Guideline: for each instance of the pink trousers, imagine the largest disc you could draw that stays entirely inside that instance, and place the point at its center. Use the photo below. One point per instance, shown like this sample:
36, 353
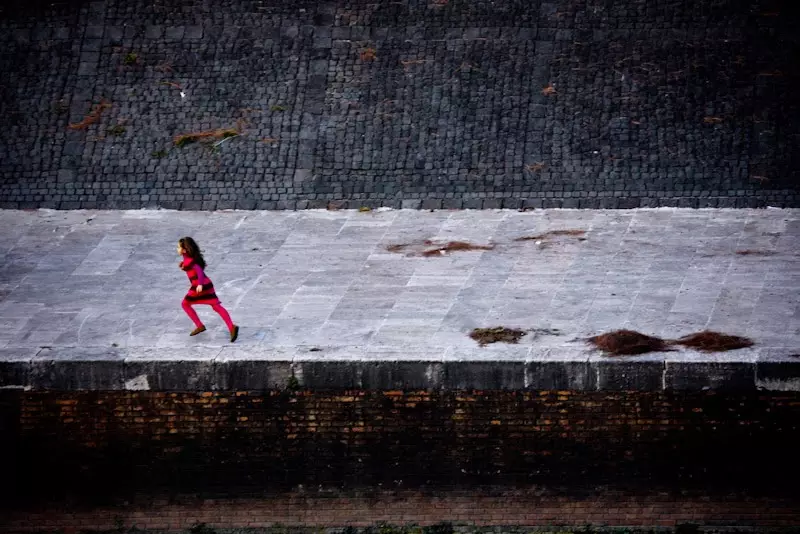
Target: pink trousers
217, 307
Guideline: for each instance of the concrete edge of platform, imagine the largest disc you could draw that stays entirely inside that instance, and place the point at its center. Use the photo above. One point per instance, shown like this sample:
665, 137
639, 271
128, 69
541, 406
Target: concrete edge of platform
74, 369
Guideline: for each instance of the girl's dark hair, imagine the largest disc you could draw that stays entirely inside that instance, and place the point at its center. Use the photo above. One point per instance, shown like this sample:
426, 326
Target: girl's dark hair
192, 250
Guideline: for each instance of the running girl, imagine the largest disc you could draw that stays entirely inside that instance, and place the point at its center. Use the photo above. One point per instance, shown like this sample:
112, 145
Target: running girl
202, 289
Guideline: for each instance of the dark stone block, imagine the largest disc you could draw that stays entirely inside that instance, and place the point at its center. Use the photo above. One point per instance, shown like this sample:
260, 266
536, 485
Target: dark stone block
498, 375
171, 375
14, 374
66, 175
629, 203
94, 32
615, 375
533, 203
411, 203
174, 33
252, 375
401, 375
193, 32
329, 375
246, 204
153, 32
560, 375
690, 376
340, 33
72, 375
338, 205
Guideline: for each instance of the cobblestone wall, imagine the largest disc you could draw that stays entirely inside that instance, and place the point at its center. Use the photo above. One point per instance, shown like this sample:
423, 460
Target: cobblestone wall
410, 103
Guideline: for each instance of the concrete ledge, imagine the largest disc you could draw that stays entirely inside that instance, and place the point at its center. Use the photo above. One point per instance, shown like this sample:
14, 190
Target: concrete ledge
225, 369
325, 300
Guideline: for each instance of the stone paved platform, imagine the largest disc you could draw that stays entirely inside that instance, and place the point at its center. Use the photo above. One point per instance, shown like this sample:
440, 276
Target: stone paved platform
91, 299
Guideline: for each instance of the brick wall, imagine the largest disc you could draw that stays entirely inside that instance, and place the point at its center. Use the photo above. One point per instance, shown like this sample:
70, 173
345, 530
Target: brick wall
417, 103
104, 448
467, 511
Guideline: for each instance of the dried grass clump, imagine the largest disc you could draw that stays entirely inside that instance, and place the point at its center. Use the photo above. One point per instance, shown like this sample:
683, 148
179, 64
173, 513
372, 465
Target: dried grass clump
368, 54
628, 342
420, 248
708, 341
484, 336
453, 246
406, 63
536, 167
552, 233
187, 138
92, 117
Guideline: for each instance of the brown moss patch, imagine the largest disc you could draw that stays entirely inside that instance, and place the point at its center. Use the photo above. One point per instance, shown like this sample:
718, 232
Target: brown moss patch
755, 252
484, 336
92, 117
708, 341
455, 246
553, 233
627, 342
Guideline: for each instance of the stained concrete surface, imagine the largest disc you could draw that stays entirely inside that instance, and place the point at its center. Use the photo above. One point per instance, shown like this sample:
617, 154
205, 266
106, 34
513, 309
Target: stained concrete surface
91, 299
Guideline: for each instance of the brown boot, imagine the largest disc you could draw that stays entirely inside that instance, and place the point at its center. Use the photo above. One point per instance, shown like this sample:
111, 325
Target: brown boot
198, 330
234, 333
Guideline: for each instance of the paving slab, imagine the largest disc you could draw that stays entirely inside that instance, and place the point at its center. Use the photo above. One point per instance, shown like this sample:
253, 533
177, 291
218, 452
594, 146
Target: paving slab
345, 299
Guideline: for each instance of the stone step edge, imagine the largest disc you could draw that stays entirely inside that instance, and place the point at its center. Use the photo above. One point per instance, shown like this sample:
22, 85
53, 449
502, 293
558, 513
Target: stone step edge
202, 375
